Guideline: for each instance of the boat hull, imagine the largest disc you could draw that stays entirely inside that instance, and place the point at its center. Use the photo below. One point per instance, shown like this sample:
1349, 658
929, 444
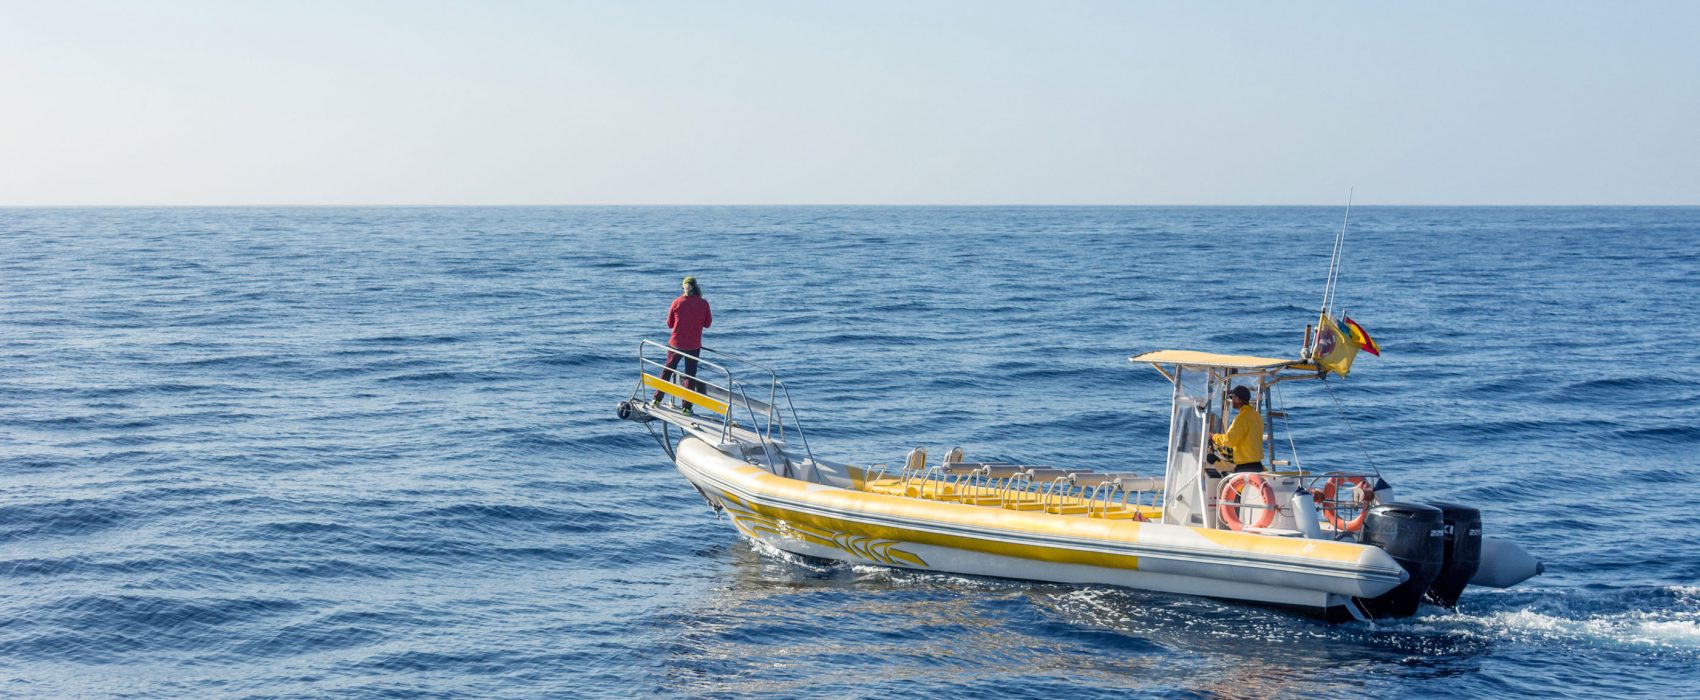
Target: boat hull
868, 528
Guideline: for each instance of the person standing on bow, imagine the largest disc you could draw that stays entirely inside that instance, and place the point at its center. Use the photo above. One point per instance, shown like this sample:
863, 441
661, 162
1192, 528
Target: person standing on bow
1243, 443
688, 315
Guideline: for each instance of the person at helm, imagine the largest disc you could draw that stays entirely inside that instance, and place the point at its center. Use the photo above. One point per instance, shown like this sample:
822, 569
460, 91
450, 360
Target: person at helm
688, 315
1243, 443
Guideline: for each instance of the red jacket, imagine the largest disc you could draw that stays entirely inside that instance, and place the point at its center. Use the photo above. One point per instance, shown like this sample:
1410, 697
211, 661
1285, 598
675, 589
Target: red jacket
687, 317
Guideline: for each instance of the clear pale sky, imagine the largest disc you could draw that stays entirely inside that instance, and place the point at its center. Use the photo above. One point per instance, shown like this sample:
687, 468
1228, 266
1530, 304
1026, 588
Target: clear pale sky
206, 103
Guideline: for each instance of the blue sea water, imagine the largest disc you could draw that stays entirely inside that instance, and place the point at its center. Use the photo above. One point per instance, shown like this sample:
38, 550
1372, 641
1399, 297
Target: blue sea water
372, 452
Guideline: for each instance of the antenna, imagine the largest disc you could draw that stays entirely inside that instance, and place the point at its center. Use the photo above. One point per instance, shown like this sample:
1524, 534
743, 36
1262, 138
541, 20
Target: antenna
1333, 278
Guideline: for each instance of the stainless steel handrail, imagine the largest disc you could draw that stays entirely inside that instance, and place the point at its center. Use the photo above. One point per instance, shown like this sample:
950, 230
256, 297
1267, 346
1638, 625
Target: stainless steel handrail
662, 371
776, 389
767, 424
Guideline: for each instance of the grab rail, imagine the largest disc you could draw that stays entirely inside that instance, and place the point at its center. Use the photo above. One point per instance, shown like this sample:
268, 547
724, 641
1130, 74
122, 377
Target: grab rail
725, 393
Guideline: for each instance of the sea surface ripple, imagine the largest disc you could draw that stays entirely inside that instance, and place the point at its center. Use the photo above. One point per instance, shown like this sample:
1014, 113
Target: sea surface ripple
371, 452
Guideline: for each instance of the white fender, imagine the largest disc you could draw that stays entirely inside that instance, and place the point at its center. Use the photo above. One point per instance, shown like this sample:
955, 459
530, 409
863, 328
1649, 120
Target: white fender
1304, 514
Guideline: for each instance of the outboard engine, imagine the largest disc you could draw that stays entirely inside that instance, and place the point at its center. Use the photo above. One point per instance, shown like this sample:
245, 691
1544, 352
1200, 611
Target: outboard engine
1414, 534
1462, 554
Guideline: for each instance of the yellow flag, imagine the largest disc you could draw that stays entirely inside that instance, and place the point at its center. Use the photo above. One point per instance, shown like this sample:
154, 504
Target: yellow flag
1334, 350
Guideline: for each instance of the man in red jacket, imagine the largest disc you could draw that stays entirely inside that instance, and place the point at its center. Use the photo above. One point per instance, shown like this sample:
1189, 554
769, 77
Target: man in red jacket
687, 317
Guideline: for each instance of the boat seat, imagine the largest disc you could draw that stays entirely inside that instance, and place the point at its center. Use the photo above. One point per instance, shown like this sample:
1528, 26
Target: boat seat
1139, 483
1090, 479
999, 471
930, 490
889, 486
1043, 474
1149, 513
1066, 508
980, 494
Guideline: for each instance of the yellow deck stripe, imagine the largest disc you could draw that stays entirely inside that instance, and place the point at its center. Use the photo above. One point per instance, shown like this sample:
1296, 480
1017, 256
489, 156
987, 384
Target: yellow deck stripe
670, 388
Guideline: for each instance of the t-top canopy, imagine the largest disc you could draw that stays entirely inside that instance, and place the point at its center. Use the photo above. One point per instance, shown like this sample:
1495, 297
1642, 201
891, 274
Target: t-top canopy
1193, 358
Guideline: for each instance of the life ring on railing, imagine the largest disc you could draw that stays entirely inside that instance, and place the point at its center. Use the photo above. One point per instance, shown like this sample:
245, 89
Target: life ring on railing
1331, 489
1233, 489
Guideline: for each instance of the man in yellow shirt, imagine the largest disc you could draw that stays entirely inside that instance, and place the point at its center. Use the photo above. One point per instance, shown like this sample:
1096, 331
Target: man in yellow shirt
1243, 443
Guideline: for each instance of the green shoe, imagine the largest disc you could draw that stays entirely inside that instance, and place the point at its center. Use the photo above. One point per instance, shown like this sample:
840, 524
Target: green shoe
688, 411
655, 401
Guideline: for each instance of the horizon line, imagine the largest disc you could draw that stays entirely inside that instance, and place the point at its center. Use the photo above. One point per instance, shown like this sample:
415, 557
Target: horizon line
819, 204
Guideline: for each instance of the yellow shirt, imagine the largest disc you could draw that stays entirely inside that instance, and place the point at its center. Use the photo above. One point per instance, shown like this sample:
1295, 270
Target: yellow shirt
1244, 438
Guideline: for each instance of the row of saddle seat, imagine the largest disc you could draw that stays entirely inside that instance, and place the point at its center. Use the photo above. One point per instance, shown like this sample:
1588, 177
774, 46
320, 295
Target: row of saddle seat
1106, 495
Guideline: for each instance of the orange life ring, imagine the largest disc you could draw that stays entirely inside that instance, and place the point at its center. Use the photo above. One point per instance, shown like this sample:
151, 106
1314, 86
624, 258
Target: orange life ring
1331, 488
1233, 489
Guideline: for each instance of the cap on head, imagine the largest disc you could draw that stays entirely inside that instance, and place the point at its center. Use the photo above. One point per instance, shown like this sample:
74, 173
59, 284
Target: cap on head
1241, 393
690, 281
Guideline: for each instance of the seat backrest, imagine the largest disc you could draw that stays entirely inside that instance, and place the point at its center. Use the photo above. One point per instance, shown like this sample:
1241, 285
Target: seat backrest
917, 460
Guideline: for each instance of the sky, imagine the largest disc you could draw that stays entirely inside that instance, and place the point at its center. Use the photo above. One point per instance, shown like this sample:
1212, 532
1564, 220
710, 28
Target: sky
866, 102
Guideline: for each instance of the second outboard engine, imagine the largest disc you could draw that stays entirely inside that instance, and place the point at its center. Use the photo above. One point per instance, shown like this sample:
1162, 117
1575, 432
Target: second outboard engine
1415, 535
1462, 555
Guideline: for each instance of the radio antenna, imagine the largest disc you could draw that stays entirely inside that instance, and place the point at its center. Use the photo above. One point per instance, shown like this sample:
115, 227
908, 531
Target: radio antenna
1329, 284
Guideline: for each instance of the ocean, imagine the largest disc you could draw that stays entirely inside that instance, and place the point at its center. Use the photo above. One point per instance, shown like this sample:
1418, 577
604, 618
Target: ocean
372, 452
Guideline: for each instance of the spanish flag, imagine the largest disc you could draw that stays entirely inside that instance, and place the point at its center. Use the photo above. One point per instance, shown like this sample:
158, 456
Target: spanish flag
1334, 350
1361, 337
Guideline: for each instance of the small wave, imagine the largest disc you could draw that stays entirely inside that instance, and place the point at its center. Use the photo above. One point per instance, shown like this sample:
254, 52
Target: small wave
387, 363
228, 361
1501, 429
513, 521
596, 442
1248, 339
313, 637
1639, 384
299, 527
478, 512
1665, 434
867, 339
20, 464
573, 359
1084, 373
99, 629
1659, 475
60, 519
421, 339
448, 376
1502, 387
160, 388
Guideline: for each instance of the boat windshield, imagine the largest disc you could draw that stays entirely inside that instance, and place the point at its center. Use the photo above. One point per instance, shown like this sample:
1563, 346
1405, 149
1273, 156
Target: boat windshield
1188, 424
1191, 407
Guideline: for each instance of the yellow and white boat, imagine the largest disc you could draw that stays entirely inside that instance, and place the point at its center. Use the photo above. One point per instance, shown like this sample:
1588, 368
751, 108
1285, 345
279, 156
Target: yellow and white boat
1334, 541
